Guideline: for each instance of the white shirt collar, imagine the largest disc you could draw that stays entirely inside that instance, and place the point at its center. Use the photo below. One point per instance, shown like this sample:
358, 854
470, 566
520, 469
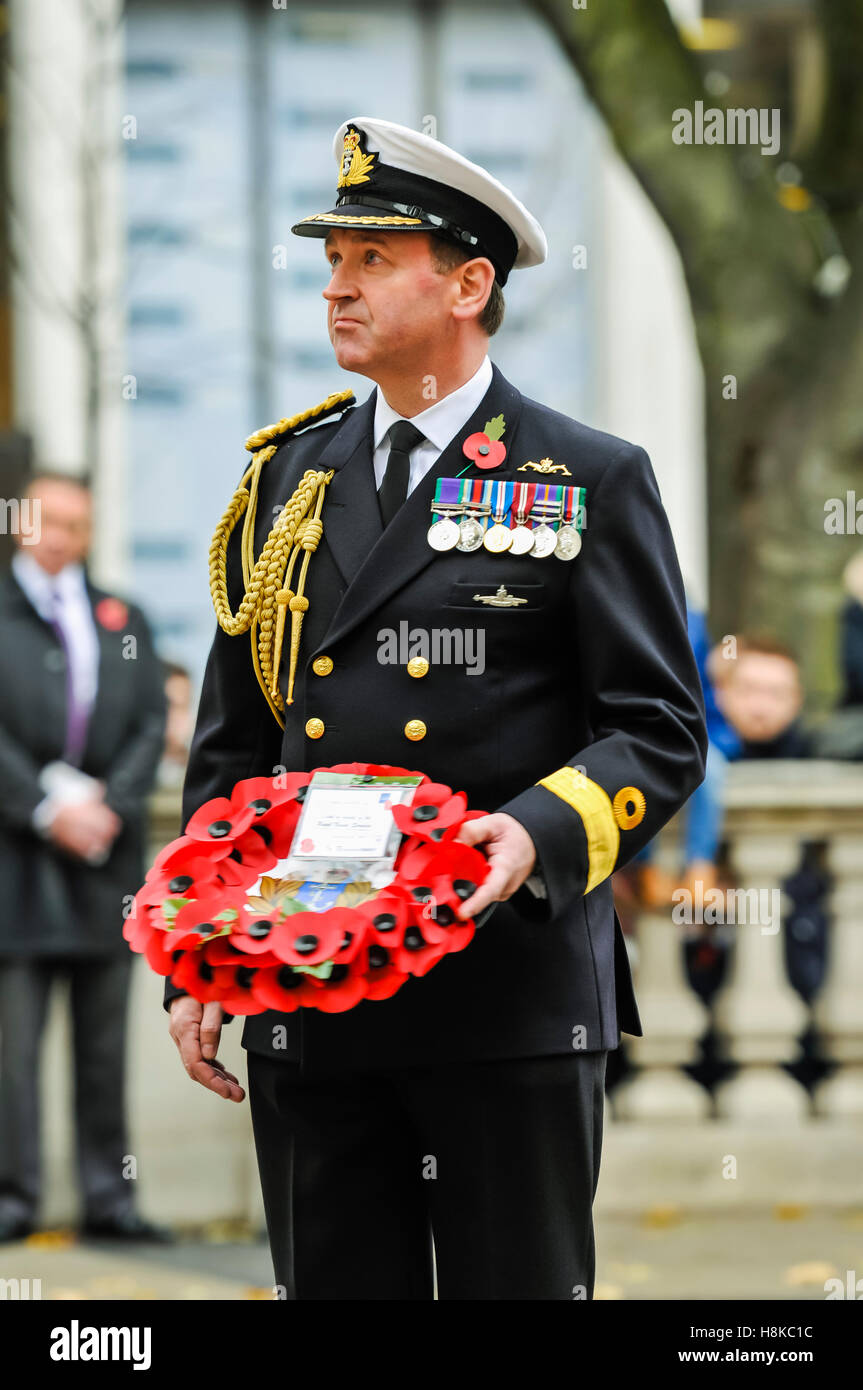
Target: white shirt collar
37, 583
441, 422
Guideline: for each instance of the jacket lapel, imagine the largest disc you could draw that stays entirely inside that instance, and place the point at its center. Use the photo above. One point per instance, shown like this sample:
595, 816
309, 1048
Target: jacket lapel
377, 561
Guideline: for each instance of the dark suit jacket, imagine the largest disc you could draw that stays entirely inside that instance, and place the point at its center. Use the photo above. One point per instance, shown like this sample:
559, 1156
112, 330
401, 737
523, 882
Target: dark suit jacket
55, 903
595, 671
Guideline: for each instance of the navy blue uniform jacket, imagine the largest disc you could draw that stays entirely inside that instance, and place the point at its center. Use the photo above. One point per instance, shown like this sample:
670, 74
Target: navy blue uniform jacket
586, 725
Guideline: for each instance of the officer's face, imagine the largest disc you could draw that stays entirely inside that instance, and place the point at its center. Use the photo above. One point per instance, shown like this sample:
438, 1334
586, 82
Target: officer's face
385, 301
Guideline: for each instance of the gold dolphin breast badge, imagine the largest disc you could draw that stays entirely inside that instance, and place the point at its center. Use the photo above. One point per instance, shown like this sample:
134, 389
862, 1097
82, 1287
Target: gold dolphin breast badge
544, 466
501, 599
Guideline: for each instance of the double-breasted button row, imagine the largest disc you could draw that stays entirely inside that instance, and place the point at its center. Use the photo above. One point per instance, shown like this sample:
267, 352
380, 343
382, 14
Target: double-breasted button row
417, 666
415, 729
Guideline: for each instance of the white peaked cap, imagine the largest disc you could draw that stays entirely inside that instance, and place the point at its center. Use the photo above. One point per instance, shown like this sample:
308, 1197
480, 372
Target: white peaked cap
392, 178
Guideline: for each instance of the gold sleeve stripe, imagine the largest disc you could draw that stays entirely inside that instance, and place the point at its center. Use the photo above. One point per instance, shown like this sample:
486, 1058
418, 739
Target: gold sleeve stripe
593, 804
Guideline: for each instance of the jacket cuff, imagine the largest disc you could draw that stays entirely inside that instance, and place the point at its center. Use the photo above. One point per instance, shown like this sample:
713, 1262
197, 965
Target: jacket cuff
172, 992
558, 834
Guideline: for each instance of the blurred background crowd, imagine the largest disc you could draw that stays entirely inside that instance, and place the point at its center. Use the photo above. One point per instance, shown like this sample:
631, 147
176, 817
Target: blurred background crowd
700, 300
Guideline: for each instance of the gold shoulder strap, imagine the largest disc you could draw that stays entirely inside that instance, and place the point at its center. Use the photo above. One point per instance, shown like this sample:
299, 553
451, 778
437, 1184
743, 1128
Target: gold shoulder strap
298, 527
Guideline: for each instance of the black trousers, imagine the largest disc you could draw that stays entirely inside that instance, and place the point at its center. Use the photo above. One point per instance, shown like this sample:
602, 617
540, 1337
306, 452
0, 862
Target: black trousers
99, 991
496, 1161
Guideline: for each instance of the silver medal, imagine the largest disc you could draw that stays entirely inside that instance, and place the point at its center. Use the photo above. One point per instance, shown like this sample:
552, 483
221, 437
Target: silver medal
568, 543
470, 534
522, 540
443, 534
544, 541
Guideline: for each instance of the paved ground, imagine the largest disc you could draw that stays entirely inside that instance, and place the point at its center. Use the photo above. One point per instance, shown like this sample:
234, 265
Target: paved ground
666, 1254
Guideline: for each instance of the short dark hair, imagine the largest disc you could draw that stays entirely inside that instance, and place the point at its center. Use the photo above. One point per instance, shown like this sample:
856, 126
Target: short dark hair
445, 257
765, 644
57, 475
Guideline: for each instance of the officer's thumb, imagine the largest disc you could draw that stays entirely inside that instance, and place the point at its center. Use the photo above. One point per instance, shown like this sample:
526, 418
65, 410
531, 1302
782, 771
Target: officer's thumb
475, 832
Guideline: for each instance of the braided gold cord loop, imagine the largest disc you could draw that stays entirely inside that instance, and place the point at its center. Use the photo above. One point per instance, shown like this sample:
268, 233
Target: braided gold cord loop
297, 530
292, 422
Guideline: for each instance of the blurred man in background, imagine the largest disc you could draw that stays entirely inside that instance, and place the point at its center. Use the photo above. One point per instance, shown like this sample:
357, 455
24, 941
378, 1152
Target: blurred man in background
761, 695
82, 715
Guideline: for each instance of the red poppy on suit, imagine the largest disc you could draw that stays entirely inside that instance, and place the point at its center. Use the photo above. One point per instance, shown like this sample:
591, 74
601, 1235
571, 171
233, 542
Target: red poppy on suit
484, 452
112, 613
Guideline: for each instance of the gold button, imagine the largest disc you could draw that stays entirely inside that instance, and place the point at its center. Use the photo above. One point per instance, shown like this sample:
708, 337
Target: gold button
314, 727
415, 729
418, 666
322, 665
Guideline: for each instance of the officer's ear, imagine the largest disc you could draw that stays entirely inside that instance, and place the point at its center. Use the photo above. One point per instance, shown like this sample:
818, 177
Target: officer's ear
473, 281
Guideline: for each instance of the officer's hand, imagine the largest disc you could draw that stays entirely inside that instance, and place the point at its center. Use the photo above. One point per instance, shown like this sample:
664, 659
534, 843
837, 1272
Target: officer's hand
196, 1029
511, 854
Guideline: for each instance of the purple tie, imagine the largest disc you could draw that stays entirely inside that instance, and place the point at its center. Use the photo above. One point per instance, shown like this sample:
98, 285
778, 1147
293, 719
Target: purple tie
76, 713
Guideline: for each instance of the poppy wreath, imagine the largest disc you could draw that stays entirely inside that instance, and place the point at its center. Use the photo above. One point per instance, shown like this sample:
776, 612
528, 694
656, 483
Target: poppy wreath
196, 922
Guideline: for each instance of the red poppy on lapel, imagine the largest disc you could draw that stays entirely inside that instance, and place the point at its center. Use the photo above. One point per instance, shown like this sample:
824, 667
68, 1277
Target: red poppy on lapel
112, 613
484, 452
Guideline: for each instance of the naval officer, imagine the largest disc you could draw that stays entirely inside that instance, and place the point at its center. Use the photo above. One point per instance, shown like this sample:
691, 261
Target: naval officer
467, 1109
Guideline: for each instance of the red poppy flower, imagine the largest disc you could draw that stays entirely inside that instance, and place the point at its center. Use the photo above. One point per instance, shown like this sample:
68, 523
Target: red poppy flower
276, 802
160, 954
251, 962
433, 808
227, 950
419, 951
258, 933
140, 924
194, 973
282, 989
112, 613
235, 989
219, 822
310, 938
383, 978
484, 452
341, 990
201, 918
449, 856
263, 794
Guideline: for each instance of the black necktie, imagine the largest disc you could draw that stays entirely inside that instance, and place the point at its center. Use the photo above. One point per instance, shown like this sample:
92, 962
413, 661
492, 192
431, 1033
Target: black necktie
394, 489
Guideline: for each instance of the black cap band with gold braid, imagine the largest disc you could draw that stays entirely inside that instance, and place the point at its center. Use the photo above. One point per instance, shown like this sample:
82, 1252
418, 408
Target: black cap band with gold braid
298, 528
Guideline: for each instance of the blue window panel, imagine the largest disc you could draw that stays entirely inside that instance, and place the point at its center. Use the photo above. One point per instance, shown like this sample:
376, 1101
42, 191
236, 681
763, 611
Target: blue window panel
147, 315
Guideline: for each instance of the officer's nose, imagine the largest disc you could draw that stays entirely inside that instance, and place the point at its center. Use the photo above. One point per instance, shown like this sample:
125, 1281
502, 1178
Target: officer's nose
341, 286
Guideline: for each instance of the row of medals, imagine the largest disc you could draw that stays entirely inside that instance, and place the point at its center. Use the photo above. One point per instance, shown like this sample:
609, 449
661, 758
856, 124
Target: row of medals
470, 533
